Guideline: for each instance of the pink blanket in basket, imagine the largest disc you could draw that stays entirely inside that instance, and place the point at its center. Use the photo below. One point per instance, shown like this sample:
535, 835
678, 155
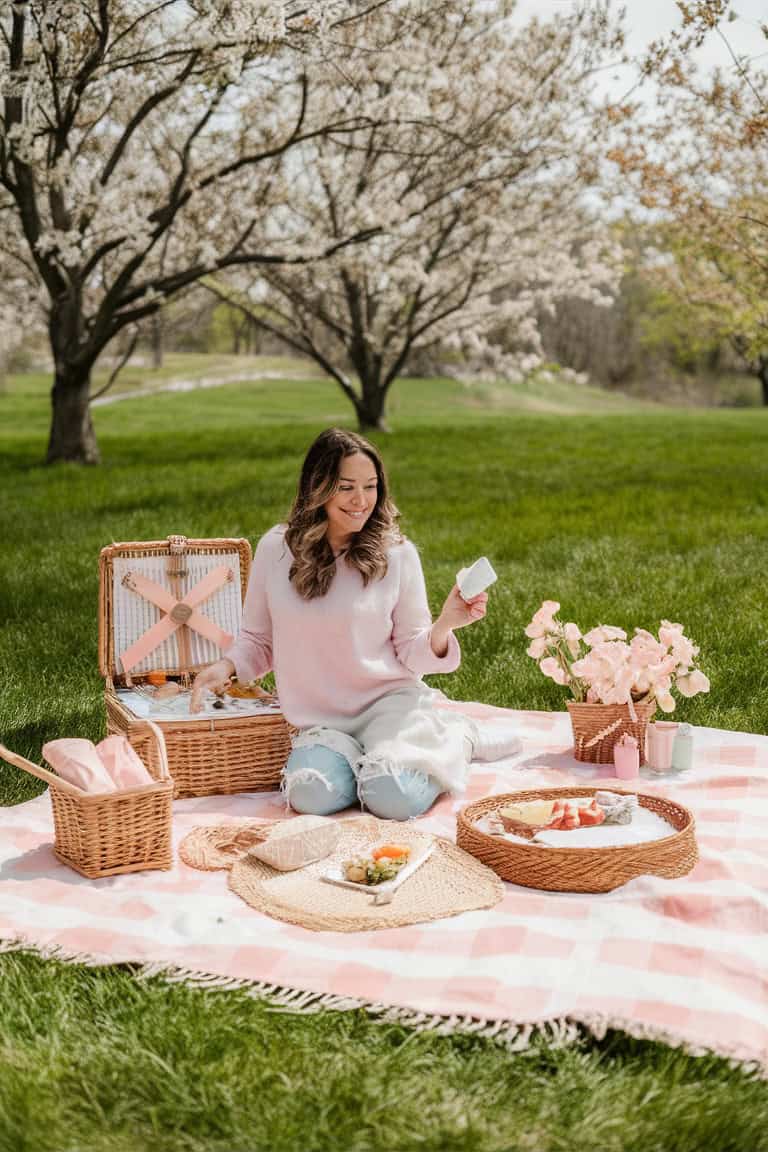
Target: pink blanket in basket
679, 960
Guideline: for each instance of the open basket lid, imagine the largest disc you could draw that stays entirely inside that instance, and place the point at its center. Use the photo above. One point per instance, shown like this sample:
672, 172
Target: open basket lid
169, 605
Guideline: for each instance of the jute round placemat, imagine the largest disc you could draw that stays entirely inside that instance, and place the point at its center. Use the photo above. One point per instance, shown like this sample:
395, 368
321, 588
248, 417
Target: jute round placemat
449, 882
220, 845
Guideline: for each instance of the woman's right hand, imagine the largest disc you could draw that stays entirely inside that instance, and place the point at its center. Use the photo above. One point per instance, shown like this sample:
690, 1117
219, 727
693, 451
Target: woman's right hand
214, 678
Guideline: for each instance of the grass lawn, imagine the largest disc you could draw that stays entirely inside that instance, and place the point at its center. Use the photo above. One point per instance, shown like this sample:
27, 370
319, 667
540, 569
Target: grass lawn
625, 514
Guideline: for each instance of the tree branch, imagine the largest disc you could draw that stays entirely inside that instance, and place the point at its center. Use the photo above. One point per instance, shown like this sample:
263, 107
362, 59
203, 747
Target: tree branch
118, 369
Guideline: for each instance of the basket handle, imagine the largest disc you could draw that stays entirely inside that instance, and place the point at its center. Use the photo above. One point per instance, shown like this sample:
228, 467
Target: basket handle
43, 774
157, 732
50, 778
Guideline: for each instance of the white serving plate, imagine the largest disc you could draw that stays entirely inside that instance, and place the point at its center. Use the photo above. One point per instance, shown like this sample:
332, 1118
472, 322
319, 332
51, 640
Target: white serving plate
335, 874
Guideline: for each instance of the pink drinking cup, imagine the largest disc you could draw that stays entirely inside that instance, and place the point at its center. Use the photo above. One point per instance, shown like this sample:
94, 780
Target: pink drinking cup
659, 741
626, 757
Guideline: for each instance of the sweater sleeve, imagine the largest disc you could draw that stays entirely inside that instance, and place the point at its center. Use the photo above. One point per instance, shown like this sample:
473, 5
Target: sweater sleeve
412, 622
251, 652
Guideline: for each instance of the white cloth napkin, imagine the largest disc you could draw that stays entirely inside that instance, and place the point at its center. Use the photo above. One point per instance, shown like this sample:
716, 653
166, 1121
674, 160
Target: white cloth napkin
645, 826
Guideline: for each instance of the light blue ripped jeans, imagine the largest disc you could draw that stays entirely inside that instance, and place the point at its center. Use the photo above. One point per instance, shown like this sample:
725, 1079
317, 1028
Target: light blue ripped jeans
396, 758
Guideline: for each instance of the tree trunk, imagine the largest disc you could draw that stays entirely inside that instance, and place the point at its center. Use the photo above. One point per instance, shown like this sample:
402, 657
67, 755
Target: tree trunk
370, 405
157, 340
72, 436
762, 372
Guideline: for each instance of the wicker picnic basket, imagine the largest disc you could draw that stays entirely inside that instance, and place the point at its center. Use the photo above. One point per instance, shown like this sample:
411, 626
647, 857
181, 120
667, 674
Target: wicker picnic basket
579, 869
107, 833
597, 727
191, 585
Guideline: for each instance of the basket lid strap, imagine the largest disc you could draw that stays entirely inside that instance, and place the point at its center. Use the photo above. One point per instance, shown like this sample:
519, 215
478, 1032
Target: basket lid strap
178, 613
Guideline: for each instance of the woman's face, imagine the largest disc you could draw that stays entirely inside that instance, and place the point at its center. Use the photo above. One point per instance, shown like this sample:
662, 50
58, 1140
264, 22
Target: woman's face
355, 497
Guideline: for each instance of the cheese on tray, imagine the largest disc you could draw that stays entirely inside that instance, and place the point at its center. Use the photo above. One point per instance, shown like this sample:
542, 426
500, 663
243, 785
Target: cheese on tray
534, 813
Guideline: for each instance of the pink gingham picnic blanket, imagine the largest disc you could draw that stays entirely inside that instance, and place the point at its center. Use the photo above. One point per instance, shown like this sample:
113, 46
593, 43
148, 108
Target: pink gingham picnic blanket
683, 960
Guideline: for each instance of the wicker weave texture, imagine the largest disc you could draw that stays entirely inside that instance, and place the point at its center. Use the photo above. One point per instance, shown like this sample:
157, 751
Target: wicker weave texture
110, 833
579, 869
215, 757
206, 758
215, 552
133, 615
597, 727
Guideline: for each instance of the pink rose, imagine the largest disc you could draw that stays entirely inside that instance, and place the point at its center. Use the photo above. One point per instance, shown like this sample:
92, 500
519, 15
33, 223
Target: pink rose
665, 701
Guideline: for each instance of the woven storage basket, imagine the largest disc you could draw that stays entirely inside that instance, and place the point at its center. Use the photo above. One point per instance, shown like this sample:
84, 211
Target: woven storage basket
206, 757
107, 833
597, 727
579, 869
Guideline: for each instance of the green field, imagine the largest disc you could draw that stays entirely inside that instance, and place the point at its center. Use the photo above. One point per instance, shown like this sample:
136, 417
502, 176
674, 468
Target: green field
625, 513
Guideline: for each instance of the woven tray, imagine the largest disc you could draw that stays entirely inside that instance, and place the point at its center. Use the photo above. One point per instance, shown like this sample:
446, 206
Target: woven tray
579, 869
105, 834
448, 883
206, 757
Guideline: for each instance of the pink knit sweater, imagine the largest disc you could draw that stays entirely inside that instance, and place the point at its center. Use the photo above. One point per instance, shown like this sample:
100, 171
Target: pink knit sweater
333, 656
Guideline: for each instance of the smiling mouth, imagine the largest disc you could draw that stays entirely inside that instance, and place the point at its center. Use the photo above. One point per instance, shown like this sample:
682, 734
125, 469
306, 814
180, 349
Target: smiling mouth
354, 515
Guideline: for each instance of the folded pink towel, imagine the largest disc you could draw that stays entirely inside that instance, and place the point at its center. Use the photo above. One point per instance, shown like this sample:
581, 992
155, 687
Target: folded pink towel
123, 763
78, 762
110, 766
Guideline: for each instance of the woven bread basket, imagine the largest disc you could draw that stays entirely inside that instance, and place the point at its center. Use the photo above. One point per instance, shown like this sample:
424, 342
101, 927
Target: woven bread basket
579, 869
206, 757
597, 727
107, 833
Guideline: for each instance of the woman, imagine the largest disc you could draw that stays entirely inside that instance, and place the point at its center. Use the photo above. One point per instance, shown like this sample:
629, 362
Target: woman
337, 607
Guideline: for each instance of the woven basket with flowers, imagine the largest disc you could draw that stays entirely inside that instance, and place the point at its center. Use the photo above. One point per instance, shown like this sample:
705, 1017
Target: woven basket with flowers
616, 683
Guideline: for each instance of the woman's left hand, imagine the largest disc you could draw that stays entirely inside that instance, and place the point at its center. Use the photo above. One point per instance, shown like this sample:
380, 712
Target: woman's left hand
457, 612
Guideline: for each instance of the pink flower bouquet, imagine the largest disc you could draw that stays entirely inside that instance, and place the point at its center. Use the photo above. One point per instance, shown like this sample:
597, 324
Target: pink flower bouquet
602, 667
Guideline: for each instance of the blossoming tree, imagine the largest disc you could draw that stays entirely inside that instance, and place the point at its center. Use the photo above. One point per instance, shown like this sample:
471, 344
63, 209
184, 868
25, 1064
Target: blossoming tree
139, 144
20, 313
475, 176
701, 162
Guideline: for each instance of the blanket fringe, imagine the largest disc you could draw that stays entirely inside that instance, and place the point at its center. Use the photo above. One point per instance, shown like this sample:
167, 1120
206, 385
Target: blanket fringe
557, 1031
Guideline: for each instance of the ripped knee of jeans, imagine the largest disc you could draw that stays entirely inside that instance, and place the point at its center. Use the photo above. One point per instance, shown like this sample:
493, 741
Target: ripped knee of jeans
289, 781
323, 777
392, 792
372, 767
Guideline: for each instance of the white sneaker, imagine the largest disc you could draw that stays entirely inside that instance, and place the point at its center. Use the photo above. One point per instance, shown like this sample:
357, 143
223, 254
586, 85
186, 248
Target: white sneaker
494, 740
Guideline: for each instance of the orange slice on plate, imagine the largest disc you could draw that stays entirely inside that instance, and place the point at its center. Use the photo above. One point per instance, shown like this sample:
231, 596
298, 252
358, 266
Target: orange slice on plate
391, 851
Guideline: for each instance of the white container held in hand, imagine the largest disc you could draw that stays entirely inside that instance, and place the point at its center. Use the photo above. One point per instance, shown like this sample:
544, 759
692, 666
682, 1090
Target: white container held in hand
475, 579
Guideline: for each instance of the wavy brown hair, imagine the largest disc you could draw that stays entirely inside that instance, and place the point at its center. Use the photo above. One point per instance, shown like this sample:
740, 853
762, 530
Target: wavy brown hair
314, 564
